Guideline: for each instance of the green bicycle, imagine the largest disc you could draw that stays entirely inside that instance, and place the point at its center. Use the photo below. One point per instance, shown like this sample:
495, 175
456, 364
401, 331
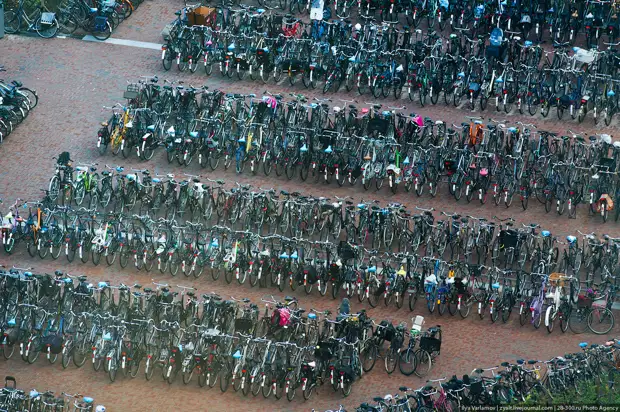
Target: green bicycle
86, 182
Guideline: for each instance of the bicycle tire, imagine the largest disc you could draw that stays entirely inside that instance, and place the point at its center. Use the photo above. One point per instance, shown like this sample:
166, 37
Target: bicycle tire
424, 363
407, 357
46, 31
600, 313
12, 22
102, 35
369, 355
391, 360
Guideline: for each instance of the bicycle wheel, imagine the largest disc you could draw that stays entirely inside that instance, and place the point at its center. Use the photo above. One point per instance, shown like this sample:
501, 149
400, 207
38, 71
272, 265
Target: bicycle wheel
413, 298
11, 21
465, 307
54, 188
33, 350
407, 362
536, 319
369, 356
565, 312
112, 369
267, 387
81, 351
47, 31
167, 59
347, 386
67, 355
424, 363
291, 386
600, 321
101, 33
67, 24
391, 359
310, 388
506, 311
550, 318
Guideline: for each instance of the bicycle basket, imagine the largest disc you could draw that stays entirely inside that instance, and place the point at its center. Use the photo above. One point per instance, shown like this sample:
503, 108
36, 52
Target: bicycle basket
261, 110
10, 336
347, 371
390, 333
430, 344
48, 18
460, 286
607, 164
476, 388
509, 238
379, 125
557, 278
54, 342
131, 92
346, 252
245, 326
324, 350
584, 301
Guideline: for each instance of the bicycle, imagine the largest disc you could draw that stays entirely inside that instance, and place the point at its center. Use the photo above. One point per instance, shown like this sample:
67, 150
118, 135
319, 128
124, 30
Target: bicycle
41, 20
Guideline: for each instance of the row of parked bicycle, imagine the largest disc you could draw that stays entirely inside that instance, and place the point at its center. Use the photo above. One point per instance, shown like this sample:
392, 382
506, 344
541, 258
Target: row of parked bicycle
473, 160
516, 382
511, 73
278, 351
275, 260
391, 227
96, 17
19, 400
558, 21
16, 101
264, 215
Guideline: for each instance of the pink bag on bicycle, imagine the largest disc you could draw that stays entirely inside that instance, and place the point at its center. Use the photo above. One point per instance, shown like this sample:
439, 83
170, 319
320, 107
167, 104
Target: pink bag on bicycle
285, 317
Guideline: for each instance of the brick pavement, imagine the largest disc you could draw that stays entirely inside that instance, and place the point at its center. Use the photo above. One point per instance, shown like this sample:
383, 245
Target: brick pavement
74, 79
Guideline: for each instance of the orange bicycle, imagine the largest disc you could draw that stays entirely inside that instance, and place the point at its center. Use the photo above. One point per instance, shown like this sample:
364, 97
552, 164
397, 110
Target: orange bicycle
34, 225
473, 132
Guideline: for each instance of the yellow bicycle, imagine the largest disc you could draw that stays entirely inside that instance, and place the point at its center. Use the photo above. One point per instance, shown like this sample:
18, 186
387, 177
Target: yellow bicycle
117, 137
